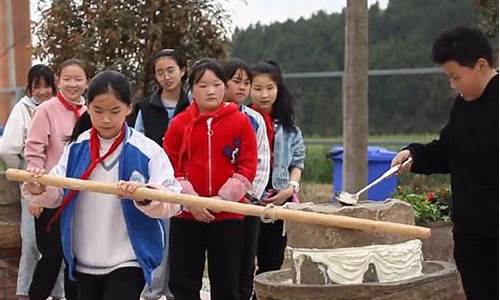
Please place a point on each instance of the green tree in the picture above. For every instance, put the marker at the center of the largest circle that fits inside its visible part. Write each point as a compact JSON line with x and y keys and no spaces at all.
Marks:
{"x":488,"y":12}
{"x":123,"y":34}
{"x":488,"y":15}
{"x":400,"y":36}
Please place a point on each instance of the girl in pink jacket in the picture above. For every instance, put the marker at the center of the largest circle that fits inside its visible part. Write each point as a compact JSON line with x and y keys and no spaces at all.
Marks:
{"x":52,"y":124}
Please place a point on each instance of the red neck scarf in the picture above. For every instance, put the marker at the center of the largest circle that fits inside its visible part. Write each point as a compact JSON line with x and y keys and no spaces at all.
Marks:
{"x":95,"y":159}
{"x":268,"y":120}
{"x":75,"y":108}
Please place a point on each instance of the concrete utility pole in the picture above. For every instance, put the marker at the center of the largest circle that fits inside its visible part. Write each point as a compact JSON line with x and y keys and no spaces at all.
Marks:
{"x":15,"y":51}
{"x":10,"y":41}
{"x":355,"y":96}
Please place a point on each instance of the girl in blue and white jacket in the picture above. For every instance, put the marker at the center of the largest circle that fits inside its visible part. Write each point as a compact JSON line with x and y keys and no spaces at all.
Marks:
{"x":111,"y":243}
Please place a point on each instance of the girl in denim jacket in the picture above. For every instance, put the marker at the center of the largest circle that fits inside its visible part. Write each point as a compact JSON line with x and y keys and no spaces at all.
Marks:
{"x":273,"y":101}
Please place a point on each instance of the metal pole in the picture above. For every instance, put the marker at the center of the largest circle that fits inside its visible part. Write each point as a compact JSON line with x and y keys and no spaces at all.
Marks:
{"x":377,"y":72}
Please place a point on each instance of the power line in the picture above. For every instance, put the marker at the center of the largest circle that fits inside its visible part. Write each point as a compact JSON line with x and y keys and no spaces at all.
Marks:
{"x":380,"y":72}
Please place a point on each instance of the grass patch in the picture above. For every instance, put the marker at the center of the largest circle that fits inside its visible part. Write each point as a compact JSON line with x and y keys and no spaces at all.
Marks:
{"x":315,"y":192}
{"x":318,"y":168}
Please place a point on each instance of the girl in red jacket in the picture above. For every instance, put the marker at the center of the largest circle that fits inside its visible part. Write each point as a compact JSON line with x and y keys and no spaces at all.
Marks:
{"x":213,"y":149}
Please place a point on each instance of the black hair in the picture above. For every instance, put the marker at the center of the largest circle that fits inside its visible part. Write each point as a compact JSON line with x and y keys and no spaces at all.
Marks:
{"x":36,"y":73}
{"x":282,"y":108}
{"x":465,"y":45}
{"x":105,"y":82}
{"x":199,"y":68}
{"x":73,"y":62}
{"x":177,"y":55}
{"x":233,"y":65}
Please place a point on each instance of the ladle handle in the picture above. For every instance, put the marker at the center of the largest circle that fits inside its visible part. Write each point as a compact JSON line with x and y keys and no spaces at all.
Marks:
{"x":387,"y":173}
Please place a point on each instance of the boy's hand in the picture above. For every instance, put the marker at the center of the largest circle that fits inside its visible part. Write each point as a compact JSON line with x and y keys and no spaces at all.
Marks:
{"x":399,"y":159}
{"x":201,"y":214}
{"x":34,"y":187}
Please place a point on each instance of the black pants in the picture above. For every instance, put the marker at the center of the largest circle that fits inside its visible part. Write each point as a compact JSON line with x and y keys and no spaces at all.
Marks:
{"x":48,"y":267}
{"x":189,"y":240}
{"x":271,"y":247}
{"x":123,"y":283}
{"x":477,"y":261}
{"x":251,"y":227}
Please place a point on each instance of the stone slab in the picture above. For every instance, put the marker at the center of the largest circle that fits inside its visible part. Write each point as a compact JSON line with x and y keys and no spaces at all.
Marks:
{"x":440,"y":245}
{"x":324,"y":237}
{"x":439,"y":282}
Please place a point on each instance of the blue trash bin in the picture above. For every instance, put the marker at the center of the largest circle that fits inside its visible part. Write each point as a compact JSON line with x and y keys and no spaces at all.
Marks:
{"x":379,"y":161}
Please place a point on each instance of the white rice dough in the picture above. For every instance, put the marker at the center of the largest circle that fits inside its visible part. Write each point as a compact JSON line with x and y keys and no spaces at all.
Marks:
{"x":348,"y":265}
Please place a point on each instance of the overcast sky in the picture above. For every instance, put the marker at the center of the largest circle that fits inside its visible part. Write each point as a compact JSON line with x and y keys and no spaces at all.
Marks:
{"x":246,"y":12}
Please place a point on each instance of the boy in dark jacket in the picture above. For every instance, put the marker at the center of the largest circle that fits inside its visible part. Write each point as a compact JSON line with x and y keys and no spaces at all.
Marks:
{"x":467,"y":149}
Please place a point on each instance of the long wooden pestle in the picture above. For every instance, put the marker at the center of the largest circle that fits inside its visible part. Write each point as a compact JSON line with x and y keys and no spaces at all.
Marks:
{"x":222,"y":205}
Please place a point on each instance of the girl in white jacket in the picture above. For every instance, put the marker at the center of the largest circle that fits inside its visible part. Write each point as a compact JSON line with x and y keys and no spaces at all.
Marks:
{"x":41,"y":86}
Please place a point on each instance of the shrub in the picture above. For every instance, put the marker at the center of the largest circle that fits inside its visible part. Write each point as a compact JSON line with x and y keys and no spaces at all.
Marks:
{"x":429,"y":206}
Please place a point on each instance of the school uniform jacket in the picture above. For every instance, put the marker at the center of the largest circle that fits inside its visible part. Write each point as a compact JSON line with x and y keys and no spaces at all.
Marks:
{"x":210,"y":148}
{"x":263,"y":152}
{"x":141,"y":159}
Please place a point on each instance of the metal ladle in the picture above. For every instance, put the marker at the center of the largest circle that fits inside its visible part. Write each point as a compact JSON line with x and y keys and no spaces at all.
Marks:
{"x":352,"y":199}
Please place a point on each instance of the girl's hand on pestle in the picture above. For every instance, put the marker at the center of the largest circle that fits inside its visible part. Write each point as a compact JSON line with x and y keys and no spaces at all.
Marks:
{"x":35,"y":187}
